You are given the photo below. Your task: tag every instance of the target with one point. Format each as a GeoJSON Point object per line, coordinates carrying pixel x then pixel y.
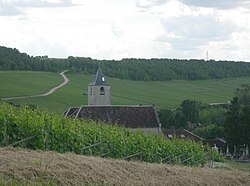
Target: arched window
{"type": "Point", "coordinates": [90, 91]}
{"type": "Point", "coordinates": [102, 92]}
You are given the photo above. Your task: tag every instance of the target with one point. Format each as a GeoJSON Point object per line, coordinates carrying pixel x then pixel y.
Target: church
{"type": "Point", "coordinates": [100, 109]}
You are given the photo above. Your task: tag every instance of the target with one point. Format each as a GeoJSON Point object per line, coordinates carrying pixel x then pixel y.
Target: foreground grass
{"type": "Point", "coordinates": [28, 167]}
{"type": "Point", "coordinates": [240, 166]}
{"type": "Point", "coordinates": [19, 182]}
{"type": "Point", "coordinates": [165, 94]}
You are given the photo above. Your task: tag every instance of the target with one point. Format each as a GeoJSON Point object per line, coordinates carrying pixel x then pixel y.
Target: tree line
{"type": "Point", "coordinates": [129, 69]}
{"type": "Point", "coordinates": [12, 59]}
{"type": "Point", "coordinates": [230, 121]}
{"type": "Point", "coordinates": [207, 121]}
{"type": "Point", "coordinates": [161, 69]}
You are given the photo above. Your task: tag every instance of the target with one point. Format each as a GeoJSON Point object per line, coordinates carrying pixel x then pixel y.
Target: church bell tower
{"type": "Point", "coordinates": [99, 90]}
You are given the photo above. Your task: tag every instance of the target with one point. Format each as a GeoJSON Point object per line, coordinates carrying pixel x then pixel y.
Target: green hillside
{"type": "Point", "coordinates": [17, 83]}
{"type": "Point", "coordinates": [164, 94]}
{"type": "Point", "coordinates": [129, 69]}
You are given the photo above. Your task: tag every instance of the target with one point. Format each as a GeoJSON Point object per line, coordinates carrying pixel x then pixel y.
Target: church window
{"type": "Point", "coordinates": [102, 92]}
{"type": "Point", "coordinates": [90, 91]}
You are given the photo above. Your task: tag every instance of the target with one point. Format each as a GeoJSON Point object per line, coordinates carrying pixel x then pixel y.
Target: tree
{"type": "Point", "coordinates": [180, 119]}
{"type": "Point", "coordinates": [172, 119]}
{"type": "Point", "coordinates": [243, 94]}
{"type": "Point", "coordinates": [212, 114]}
{"type": "Point", "coordinates": [210, 132]}
{"type": "Point", "coordinates": [167, 118]}
{"type": "Point", "coordinates": [237, 125]}
{"type": "Point", "coordinates": [245, 125]}
{"type": "Point", "coordinates": [190, 109]}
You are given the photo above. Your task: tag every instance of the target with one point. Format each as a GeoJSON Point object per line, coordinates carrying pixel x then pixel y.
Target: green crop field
{"type": "Point", "coordinates": [165, 94]}
{"type": "Point", "coordinates": [16, 83]}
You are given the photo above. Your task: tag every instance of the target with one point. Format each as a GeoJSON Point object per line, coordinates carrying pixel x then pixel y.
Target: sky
{"type": "Point", "coordinates": [117, 29]}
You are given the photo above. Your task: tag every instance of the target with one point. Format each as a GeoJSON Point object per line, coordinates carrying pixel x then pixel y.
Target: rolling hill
{"type": "Point", "coordinates": [164, 94]}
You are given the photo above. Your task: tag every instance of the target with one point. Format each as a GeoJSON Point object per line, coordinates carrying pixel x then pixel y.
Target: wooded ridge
{"type": "Point", "coordinates": [129, 69]}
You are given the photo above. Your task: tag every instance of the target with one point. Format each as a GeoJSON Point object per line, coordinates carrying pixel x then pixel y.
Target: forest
{"type": "Point", "coordinates": [129, 69]}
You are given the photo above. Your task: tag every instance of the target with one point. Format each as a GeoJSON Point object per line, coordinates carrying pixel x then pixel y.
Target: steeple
{"type": "Point", "coordinates": [99, 90]}
{"type": "Point", "coordinates": [99, 79]}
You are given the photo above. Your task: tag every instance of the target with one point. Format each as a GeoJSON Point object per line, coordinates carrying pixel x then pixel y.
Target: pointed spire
{"type": "Point", "coordinates": [99, 79]}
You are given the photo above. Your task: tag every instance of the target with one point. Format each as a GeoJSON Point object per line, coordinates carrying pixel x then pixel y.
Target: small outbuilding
{"type": "Point", "coordinates": [218, 142]}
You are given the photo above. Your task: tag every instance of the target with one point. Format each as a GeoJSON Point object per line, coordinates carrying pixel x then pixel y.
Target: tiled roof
{"type": "Point", "coordinates": [99, 79]}
{"type": "Point", "coordinates": [218, 141]}
{"type": "Point", "coordinates": [128, 116]}
{"type": "Point", "coordinates": [182, 134]}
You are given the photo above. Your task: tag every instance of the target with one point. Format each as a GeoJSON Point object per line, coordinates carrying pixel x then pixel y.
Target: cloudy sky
{"type": "Point", "coordinates": [116, 29]}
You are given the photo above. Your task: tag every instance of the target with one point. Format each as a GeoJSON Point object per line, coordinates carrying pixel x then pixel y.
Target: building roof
{"type": "Point", "coordinates": [182, 134]}
{"type": "Point", "coordinates": [99, 79]}
{"type": "Point", "coordinates": [128, 116]}
{"type": "Point", "coordinates": [218, 141]}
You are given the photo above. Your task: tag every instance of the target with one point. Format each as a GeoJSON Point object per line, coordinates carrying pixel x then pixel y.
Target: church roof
{"type": "Point", "coordinates": [128, 116]}
{"type": "Point", "coordinates": [99, 79]}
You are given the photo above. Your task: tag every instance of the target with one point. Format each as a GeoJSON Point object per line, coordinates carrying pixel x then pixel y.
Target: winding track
{"type": "Point", "coordinates": [51, 91]}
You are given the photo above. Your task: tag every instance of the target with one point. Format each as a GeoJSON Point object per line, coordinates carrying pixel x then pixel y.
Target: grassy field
{"type": "Point", "coordinates": [27, 167]}
{"type": "Point", "coordinates": [15, 83]}
{"type": "Point", "coordinates": [239, 166]}
{"type": "Point", "coordinates": [165, 94]}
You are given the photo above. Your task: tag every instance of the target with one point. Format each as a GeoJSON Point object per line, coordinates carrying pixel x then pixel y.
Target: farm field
{"type": "Point", "coordinates": [164, 94]}
{"type": "Point", "coordinates": [17, 83]}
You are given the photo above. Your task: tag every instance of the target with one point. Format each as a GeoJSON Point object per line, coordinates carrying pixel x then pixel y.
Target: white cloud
{"type": "Point", "coordinates": [194, 34]}
{"type": "Point", "coordinates": [150, 3]}
{"type": "Point", "coordinates": [8, 10]}
{"type": "Point", "coordinates": [116, 29]}
{"type": "Point", "coordinates": [12, 7]}
{"type": "Point", "coordinates": [111, 29]}
{"type": "Point", "coordinates": [39, 3]}
{"type": "Point", "coordinates": [199, 27]}
{"type": "Point", "coordinates": [220, 4]}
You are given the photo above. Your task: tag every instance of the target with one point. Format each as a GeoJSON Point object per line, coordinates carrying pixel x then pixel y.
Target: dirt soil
{"type": "Point", "coordinates": [31, 167]}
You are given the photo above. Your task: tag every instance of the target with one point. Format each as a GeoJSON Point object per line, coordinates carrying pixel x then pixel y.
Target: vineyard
{"type": "Point", "coordinates": [38, 129]}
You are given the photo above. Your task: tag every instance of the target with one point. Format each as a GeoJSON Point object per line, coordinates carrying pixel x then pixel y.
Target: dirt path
{"type": "Point", "coordinates": [51, 91]}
